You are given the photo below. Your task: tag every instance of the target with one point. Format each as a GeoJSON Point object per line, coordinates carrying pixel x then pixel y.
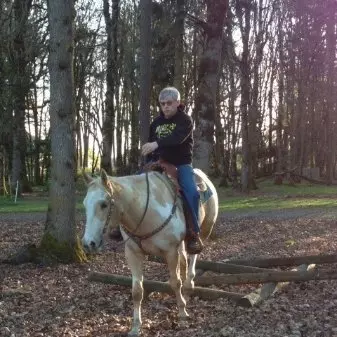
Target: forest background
{"type": "Point", "coordinates": [258, 77]}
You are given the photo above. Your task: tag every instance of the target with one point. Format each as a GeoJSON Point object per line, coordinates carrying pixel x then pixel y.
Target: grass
{"type": "Point", "coordinates": [267, 197]}
{"type": "Point", "coordinates": [28, 205]}
{"type": "Point", "coordinates": [272, 197]}
{"type": "Point", "coordinates": [303, 189]}
{"type": "Point", "coordinates": [265, 203]}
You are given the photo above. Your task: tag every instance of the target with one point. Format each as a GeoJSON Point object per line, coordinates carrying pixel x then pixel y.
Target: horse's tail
{"type": "Point", "coordinates": [211, 206]}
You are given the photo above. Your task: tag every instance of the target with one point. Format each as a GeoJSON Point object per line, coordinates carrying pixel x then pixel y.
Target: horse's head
{"type": "Point", "coordinates": [100, 209]}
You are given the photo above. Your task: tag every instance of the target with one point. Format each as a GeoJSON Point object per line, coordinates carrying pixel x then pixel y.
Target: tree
{"type": "Point", "coordinates": [179, 46]}
{"type": "Point", "coordinates": [209, 75]}
{"type": "Point", "coordinates": [243, 12]}
{"type": "Point", "coordinates": [19, 93]}
{"type": "Point", "coordinates": [145, 68]}
{"type": "Point", "coordinates": [331, 91]}
{"type": "Point", "coordinates": [59, 239]}
{"type": "Point", "coordinates": [111, 78]}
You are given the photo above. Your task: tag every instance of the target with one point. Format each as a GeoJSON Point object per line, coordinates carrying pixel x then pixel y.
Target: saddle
{"type": "Point", "coordinates": [170, 171]}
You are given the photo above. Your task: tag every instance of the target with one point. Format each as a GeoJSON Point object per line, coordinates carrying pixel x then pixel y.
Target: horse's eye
{"type": "Point", "coordinates": [104, 205]}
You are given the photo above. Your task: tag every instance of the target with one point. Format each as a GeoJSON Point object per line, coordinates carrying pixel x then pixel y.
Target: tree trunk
{"type": "Point", "coordinates": [209, 75]}
{"type": "Point", "coordinates": [280, 116]}
{"type": "Point", "coordinates": [59, 240]}
{"type": "Point", "coordinates": [271, 164]}
{"type": "Point", "coordinates": [330, 94]}
{"type": "Point", "coordinates": [254, 111]}
{"type": "Point", "coordinates": [37, 141]}
{"type": "Point", "coordinates": [179, 46]}
{"type": "Point", "coordinates": [232, 116]}
{"type": "Point", "coordinates": [244, 16]}
{"type": "Point", "coordinates": [20, 91]}
{"type": "Point", "coordinates": [145, 69]}
{"type": "Point", "coordinates": [108, 129]}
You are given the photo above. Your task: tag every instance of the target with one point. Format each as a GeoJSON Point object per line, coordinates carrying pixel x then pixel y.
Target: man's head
{"type": "Point", "coordinates": [169, 100]}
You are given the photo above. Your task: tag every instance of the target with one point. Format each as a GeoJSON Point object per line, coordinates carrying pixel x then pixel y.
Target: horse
{"type": "Point", "coordinates": [150, 213]}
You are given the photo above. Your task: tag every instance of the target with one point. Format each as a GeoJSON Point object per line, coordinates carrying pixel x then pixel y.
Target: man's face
{"type": "Point", "coordinates": [168, 106]}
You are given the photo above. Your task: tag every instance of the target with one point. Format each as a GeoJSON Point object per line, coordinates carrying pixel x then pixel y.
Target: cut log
{"type": "Point", "coordinates": [287, 261]}
{"type": "Point", "coordinates": [228, 268]}
{"type": "Point", "coordinates": [273, 276]}
{"type": "Point", "coordinates": [151, 286]}
{"type": "Point", "coordinates": [268, 289]}
{"type": "Point", "coordinates": [219, 267]}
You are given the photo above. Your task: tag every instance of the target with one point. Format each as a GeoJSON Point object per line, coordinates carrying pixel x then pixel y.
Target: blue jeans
{"type": "Point", "coordinates": [190, 192]}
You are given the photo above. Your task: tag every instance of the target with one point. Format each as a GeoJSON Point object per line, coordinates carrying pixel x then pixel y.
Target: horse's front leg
{"type": "Point", "coordinates": [189, 282]}
{"type": "Point", "coordinates": [135, 261]}
{"type": "Point", "coordinates": [172, 258]}
{"type": "Point", "coordinates": [183, 261]}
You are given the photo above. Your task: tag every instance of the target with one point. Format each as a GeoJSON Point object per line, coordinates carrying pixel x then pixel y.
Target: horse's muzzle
{"type": "Point", "coordinates": [91, 247]}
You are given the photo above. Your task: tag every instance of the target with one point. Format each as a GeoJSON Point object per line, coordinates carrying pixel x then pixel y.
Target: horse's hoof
{"type": "Point", "coordinates": [133, 334]}
{"type": "Point", "coordinates": [184, 317]}
{"type": "Point", "coordinates": [188, 286]}
{"type": "Point", "coordinates": [184, 322]}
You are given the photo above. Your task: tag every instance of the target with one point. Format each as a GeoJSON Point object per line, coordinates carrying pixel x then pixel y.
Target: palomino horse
{"type": "Point", "coordinates": [152, 222]}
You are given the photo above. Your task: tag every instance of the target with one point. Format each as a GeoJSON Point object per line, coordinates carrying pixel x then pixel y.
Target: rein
{"type": "Point", "coordinates": [139, 238]}
{"type": "Point", "coordinates": [145, 210]}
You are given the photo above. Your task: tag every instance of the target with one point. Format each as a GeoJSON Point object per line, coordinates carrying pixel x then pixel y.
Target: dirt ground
{"type": "Point", "coordinates": [60, 301]}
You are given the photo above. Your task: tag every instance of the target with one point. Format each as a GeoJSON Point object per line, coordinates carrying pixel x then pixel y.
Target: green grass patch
{"type": "Point", "coordinates": [303, 189]}
{"type": "Point", "coordinates": [266, 203]}
{"type": "Point", "coordinates": [28, 205]}
{"type": "Point", "coordinates": [269, 196]}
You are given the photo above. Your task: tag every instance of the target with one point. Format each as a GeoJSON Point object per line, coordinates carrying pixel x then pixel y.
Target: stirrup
{"type": "Point", "coordinates": [193, 244]}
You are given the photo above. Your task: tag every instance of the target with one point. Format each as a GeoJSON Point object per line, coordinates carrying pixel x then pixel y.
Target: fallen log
{"type": "Point", "coordinates": [152, 286]}
{"type": "Point", "coordinates": [219, 267]}
{"type": "Point", "coordinates": [286, 261]}
{"type": "Point", "coordinates": [227, 268]}
{"type": "Point", "coordinates": [259, 295]}
{"type": "Point", "coordinates": [273, 276]}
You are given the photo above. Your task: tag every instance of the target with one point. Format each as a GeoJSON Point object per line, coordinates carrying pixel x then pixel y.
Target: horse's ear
{"type": "Point", "coordinates": [109, 185]}
{"type": "Point", "coordinates": [104, 177]}
{"type": "Point", "coordinates": [87, 178]}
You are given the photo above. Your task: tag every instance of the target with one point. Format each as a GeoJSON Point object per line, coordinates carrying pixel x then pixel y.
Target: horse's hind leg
{"type": "Point", "coordinates": [135, 262]}
{"type": "Point", "coordinates": [172, 258]}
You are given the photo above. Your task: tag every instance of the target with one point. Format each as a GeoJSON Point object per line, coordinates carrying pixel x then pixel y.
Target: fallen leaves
{"type": "Point", "coordinates": [59, 301]}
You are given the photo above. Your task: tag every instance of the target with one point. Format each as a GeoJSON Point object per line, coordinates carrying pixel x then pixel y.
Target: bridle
{"type": "Point", "coordinates": [132, 234]}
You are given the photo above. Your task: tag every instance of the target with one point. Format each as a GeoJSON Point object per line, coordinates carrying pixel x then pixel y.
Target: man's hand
{"type": "Point", "coordinates": [149, 147]}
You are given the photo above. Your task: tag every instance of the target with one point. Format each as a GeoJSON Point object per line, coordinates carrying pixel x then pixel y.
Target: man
{"type": "Point", "coordinates": [171, 139]}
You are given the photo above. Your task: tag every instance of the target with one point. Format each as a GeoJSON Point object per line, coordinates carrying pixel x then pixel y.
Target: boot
{"type": "Point", "coordinates": [116, 235]}
{"type": "Point", "coordinates": [193, 243]}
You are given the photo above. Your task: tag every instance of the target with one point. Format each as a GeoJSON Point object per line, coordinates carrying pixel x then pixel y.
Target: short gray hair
{"type": "Point", "coordinates": [170, 92]}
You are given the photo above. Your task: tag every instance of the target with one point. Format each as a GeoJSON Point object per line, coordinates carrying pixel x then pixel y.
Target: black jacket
{"type": "Point", "coordinates": [174, 137]}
